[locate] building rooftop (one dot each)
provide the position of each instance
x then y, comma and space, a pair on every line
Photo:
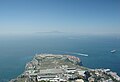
51, 71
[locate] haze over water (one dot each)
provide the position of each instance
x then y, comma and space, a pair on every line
16, 51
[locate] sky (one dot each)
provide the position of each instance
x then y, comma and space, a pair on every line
68, 16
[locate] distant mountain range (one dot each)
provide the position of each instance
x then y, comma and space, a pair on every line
51, 32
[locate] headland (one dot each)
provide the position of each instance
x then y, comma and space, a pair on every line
63, 68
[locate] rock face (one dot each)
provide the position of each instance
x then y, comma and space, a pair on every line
63, 68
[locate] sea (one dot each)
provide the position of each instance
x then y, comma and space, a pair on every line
17, 50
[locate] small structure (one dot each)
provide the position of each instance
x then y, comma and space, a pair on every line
91, 79
47, 77
53, 75
81, 73
70, 70
79, 80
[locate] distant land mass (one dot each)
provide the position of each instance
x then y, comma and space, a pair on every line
63, 68
51, 32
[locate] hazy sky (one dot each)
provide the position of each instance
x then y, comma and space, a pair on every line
72, 16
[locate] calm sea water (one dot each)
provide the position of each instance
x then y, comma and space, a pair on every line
16, 51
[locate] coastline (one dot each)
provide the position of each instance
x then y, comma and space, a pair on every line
34, 68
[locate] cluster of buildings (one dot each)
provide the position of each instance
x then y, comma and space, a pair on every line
63, 68
59, 75
103, 75
114, 75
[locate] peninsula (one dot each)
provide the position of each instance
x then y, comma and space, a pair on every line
63, 68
